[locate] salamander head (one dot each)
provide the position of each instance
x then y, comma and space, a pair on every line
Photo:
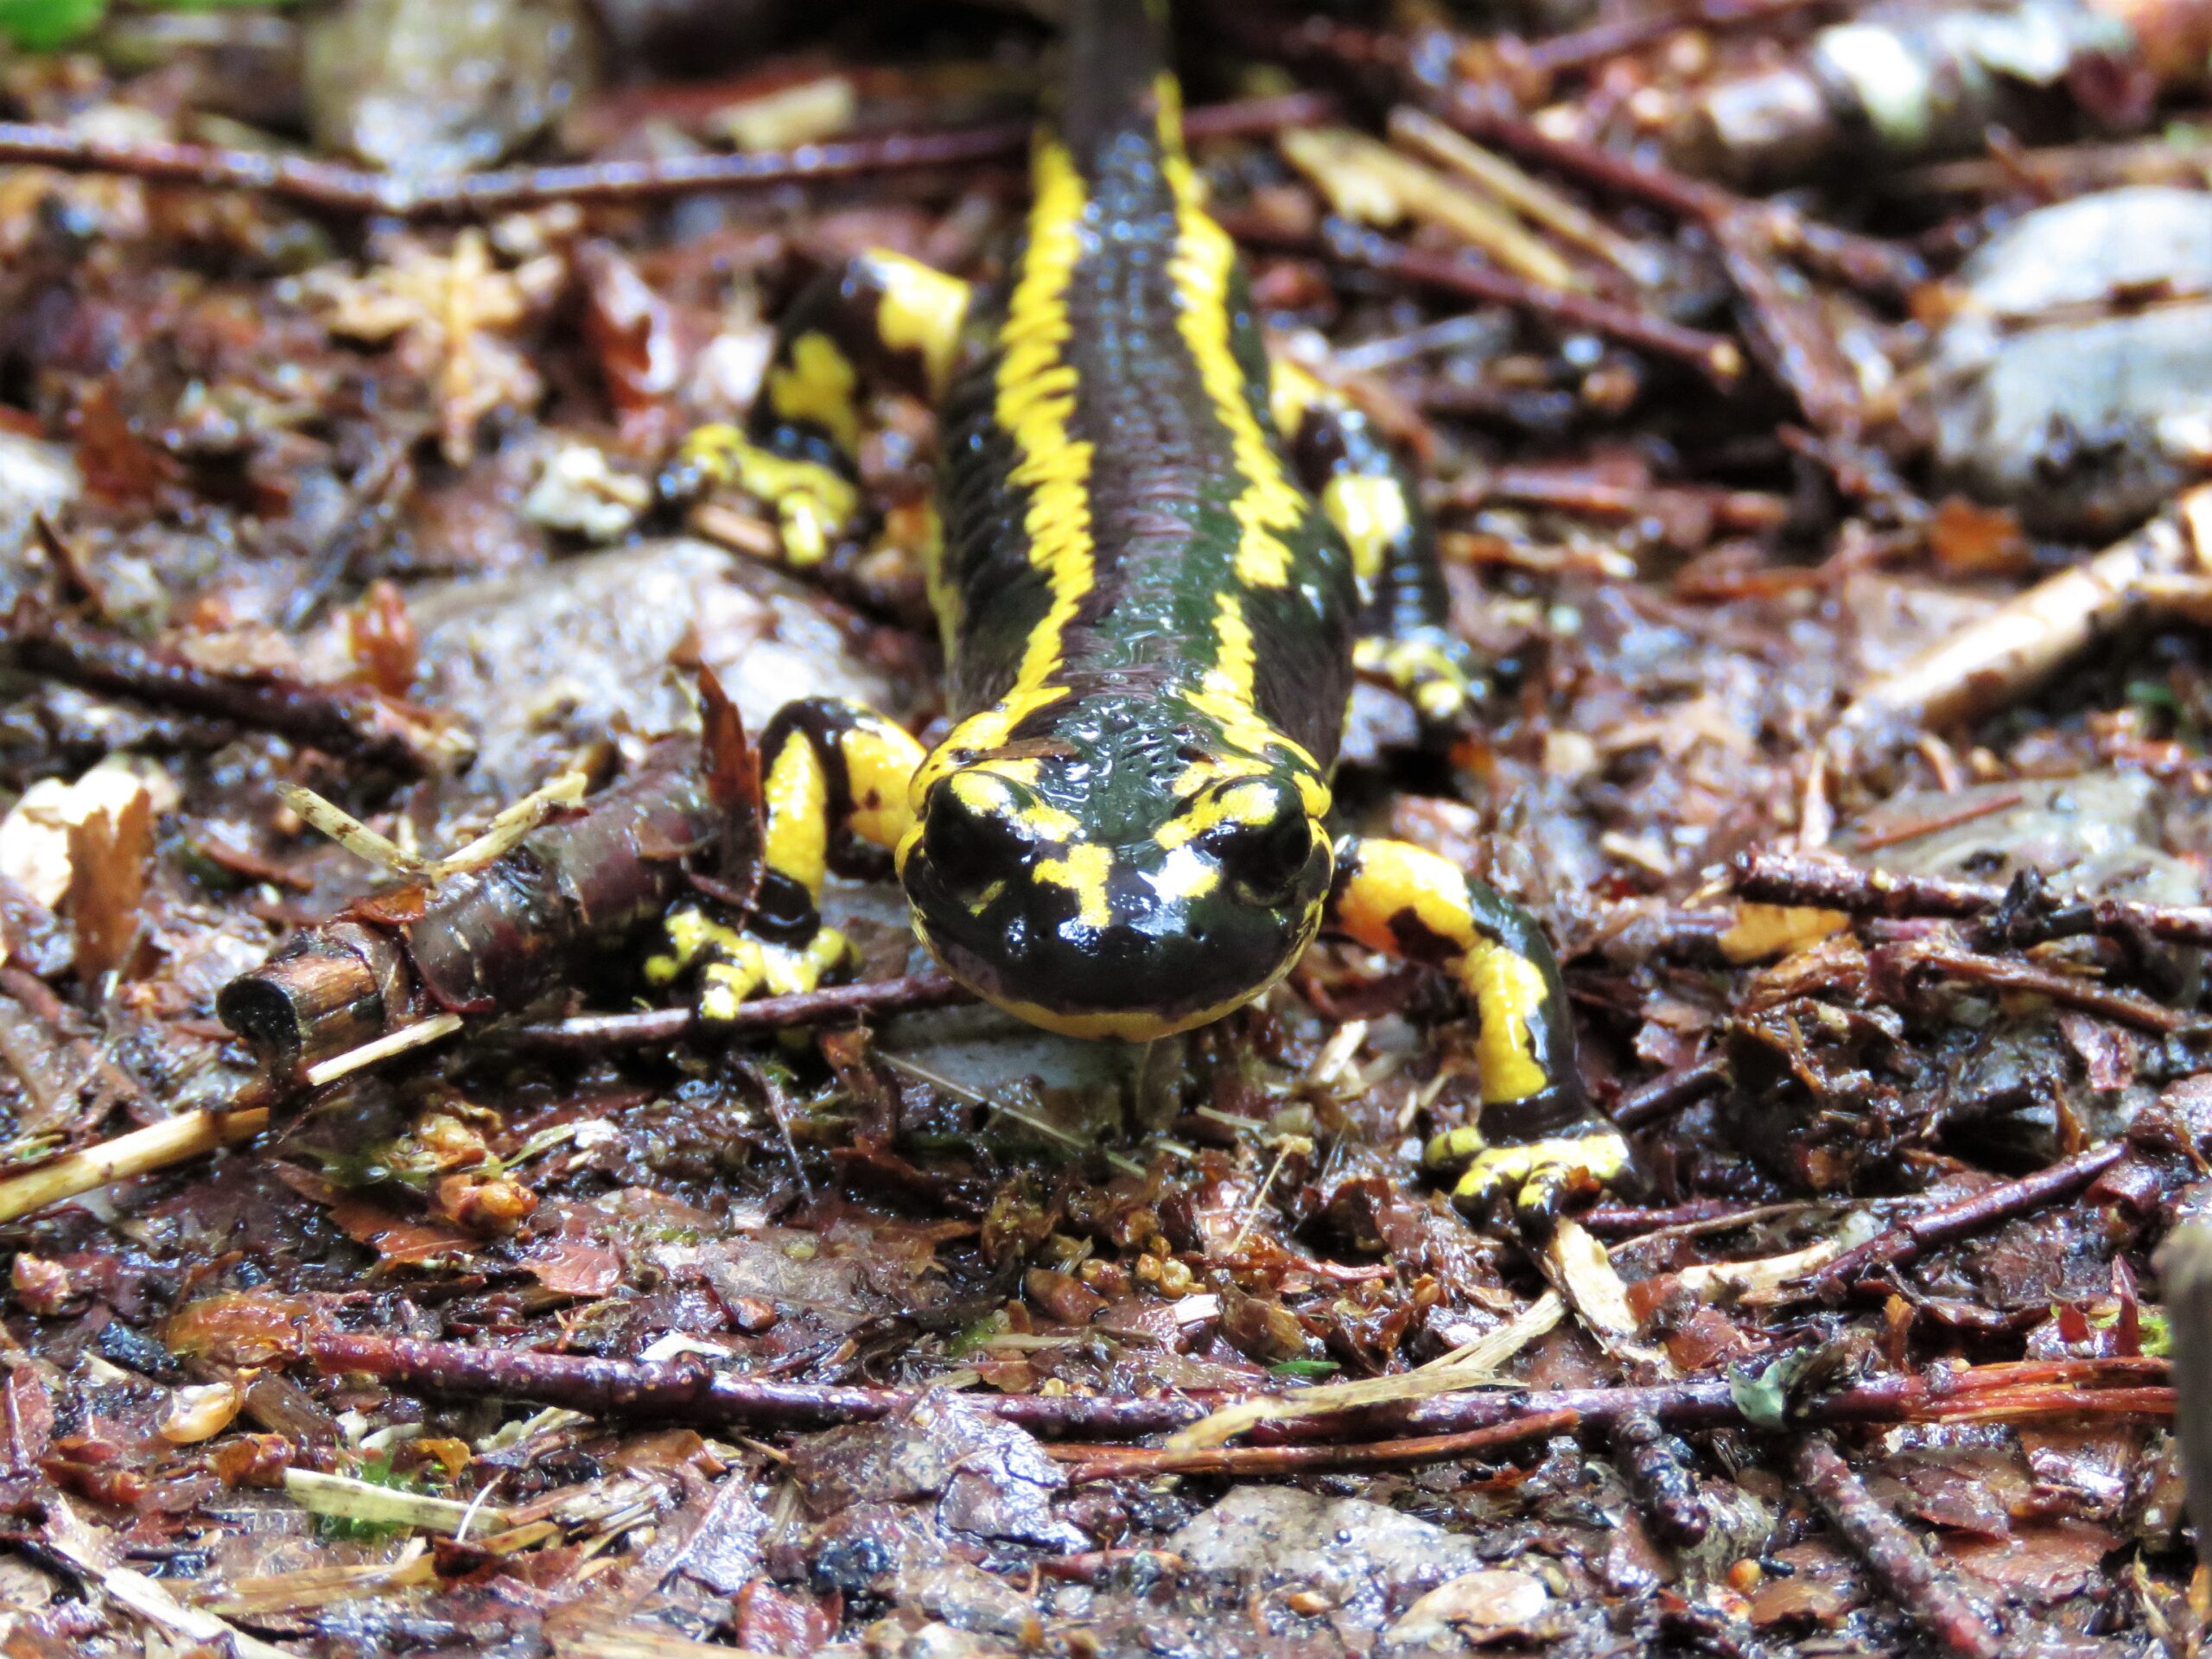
1146, 929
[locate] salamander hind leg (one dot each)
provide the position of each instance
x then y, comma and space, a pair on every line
884, 320
1540, 1144
1366, 491
834, 785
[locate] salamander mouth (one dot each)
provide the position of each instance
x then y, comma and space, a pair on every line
1136, 1007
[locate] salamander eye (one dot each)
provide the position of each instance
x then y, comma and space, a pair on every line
971, 840
1264, 857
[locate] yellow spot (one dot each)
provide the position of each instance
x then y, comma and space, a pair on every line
982, 792
1421, 669
1369, 510
691, 935
1183, 874
1393, 879
812, 502
944, 597
1201, 267
818, 387
737, 965
880, 761
1040, 822
1084, 870
797, 794
922, 311
1507, 988
1252, 803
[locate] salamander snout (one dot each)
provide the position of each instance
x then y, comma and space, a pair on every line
1132, 932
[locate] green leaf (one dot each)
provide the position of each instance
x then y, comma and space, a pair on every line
2154, 1333
1763, 1396
1305, 1368
41, 25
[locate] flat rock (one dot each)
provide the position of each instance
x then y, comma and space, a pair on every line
539, 664
1368, 1558
2069, 386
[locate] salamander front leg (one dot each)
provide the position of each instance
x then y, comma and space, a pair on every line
1540, 1142
884, 320
834, 784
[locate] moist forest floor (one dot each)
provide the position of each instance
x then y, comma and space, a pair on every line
1873, 839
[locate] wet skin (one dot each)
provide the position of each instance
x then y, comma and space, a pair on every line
1162, 562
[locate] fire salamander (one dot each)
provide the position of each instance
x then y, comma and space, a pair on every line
1161, 562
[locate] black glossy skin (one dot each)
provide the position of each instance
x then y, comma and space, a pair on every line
1117, 747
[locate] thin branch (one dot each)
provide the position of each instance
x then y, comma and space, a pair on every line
1977, 670
1671, 1092
336, 189
173, 1141
1908, 1241
1585, 48
1825, 883
349, 720
687, 1390
1899, 964
1866, 263
1715, 356
1112, 1463
1913, 1580
598, 1033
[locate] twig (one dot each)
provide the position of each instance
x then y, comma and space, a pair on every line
1583, 47
1866, 263
349, 720
1671, 1092
1681, 509
1531, 197
1717, 358
598, 1033
1111, 1463
1787, 329
1896, 1556
418, 1034
1712, 355
690, 1390
1899, 964
1905, 1242
1978, 669
336, 189
1622, 1220
172, 1141
686, 1389
1798, 879
1705, 1402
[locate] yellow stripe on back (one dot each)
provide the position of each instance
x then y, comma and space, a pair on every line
1035, 403
1201, 267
